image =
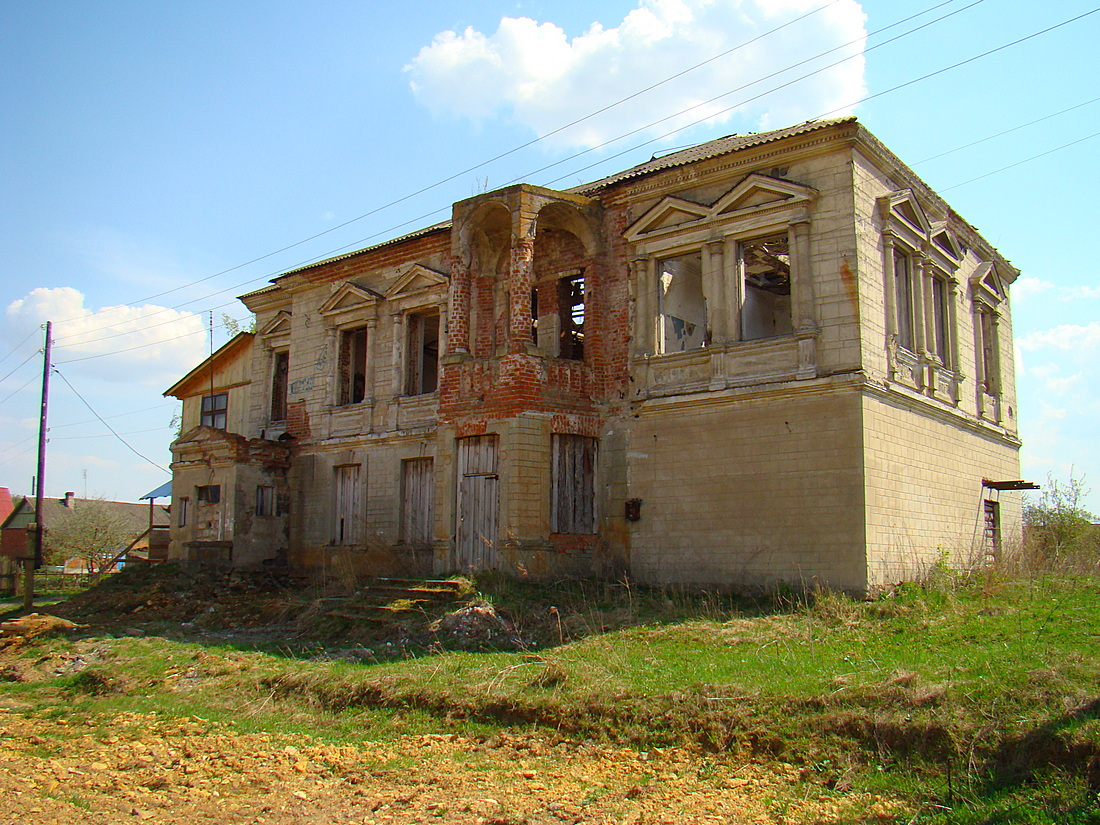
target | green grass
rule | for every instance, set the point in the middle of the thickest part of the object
(977, 702)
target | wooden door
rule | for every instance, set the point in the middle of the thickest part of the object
(476, 533)
(348, 511)
(418, 503)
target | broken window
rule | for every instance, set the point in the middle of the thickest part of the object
(417, 500)
(422, 367)
(903, 296)
(573, 484)
(214, 409)
(940, 315)
(280, 371)
(766, 303)
(683, 309)
(265, 501)
(571, 314)
(208, 494)
(347, 509)
(181, 516)
(353, 366)
(535, 316)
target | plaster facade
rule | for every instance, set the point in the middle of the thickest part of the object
(773, 357)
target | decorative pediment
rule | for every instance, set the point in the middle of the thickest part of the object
(946, 242)
(277, 327)
(757, 191)
(348, 300)
(415, 280)
(670, 212)
(903, 206)
(986, 284)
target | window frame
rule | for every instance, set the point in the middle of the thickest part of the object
(348, 394)
(280, 384)
(208, 494)
(742, 245)
(417, 351)
(209, 417)
(265, 500)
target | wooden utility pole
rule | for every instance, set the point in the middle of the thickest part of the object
(32, 563)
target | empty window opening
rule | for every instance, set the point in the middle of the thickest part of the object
(683, 308)
(940, 318)
(903, 297)
(214, 409)
(423, 354)
(281, 369)
(573, 484)
(181, 516)
(265, 501)
(347, 509)
(766, 306)
(208, 494)
(571, 313)
(418, 501)
(353, 366)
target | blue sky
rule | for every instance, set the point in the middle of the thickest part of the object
(158, 159)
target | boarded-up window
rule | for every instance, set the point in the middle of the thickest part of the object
(353, 366)
(766, 269)
(214, 409)
(423, 354)
(348, 510)
(573, 484)
(418, 500)
(279, 375)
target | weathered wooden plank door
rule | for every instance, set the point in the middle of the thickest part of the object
(348, 517)
(418, 505)
(476, 532)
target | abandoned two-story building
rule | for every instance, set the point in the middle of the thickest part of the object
(775, 356)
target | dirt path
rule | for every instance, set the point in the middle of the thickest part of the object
(147, 770)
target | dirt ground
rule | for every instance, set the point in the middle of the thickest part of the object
(145, 769)
(150, 769)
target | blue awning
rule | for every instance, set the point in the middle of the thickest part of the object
(163, 491)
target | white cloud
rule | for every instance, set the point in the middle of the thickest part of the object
(1066, 337)
(156, 344)
(1027, 286)
(534, 73)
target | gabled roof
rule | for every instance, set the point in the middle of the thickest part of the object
(6, 504)
(226, 353)
(55, 508)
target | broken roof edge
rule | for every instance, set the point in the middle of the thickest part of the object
(230, 347)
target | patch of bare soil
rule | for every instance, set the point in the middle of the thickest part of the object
(140, 768)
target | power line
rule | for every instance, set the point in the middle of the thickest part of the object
(14, 349)
(105, 424)
(697, 122)
(558, 130)
(16, 392)
(1022, 162)
(14, 371)
(577, 154)
(164, 407)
